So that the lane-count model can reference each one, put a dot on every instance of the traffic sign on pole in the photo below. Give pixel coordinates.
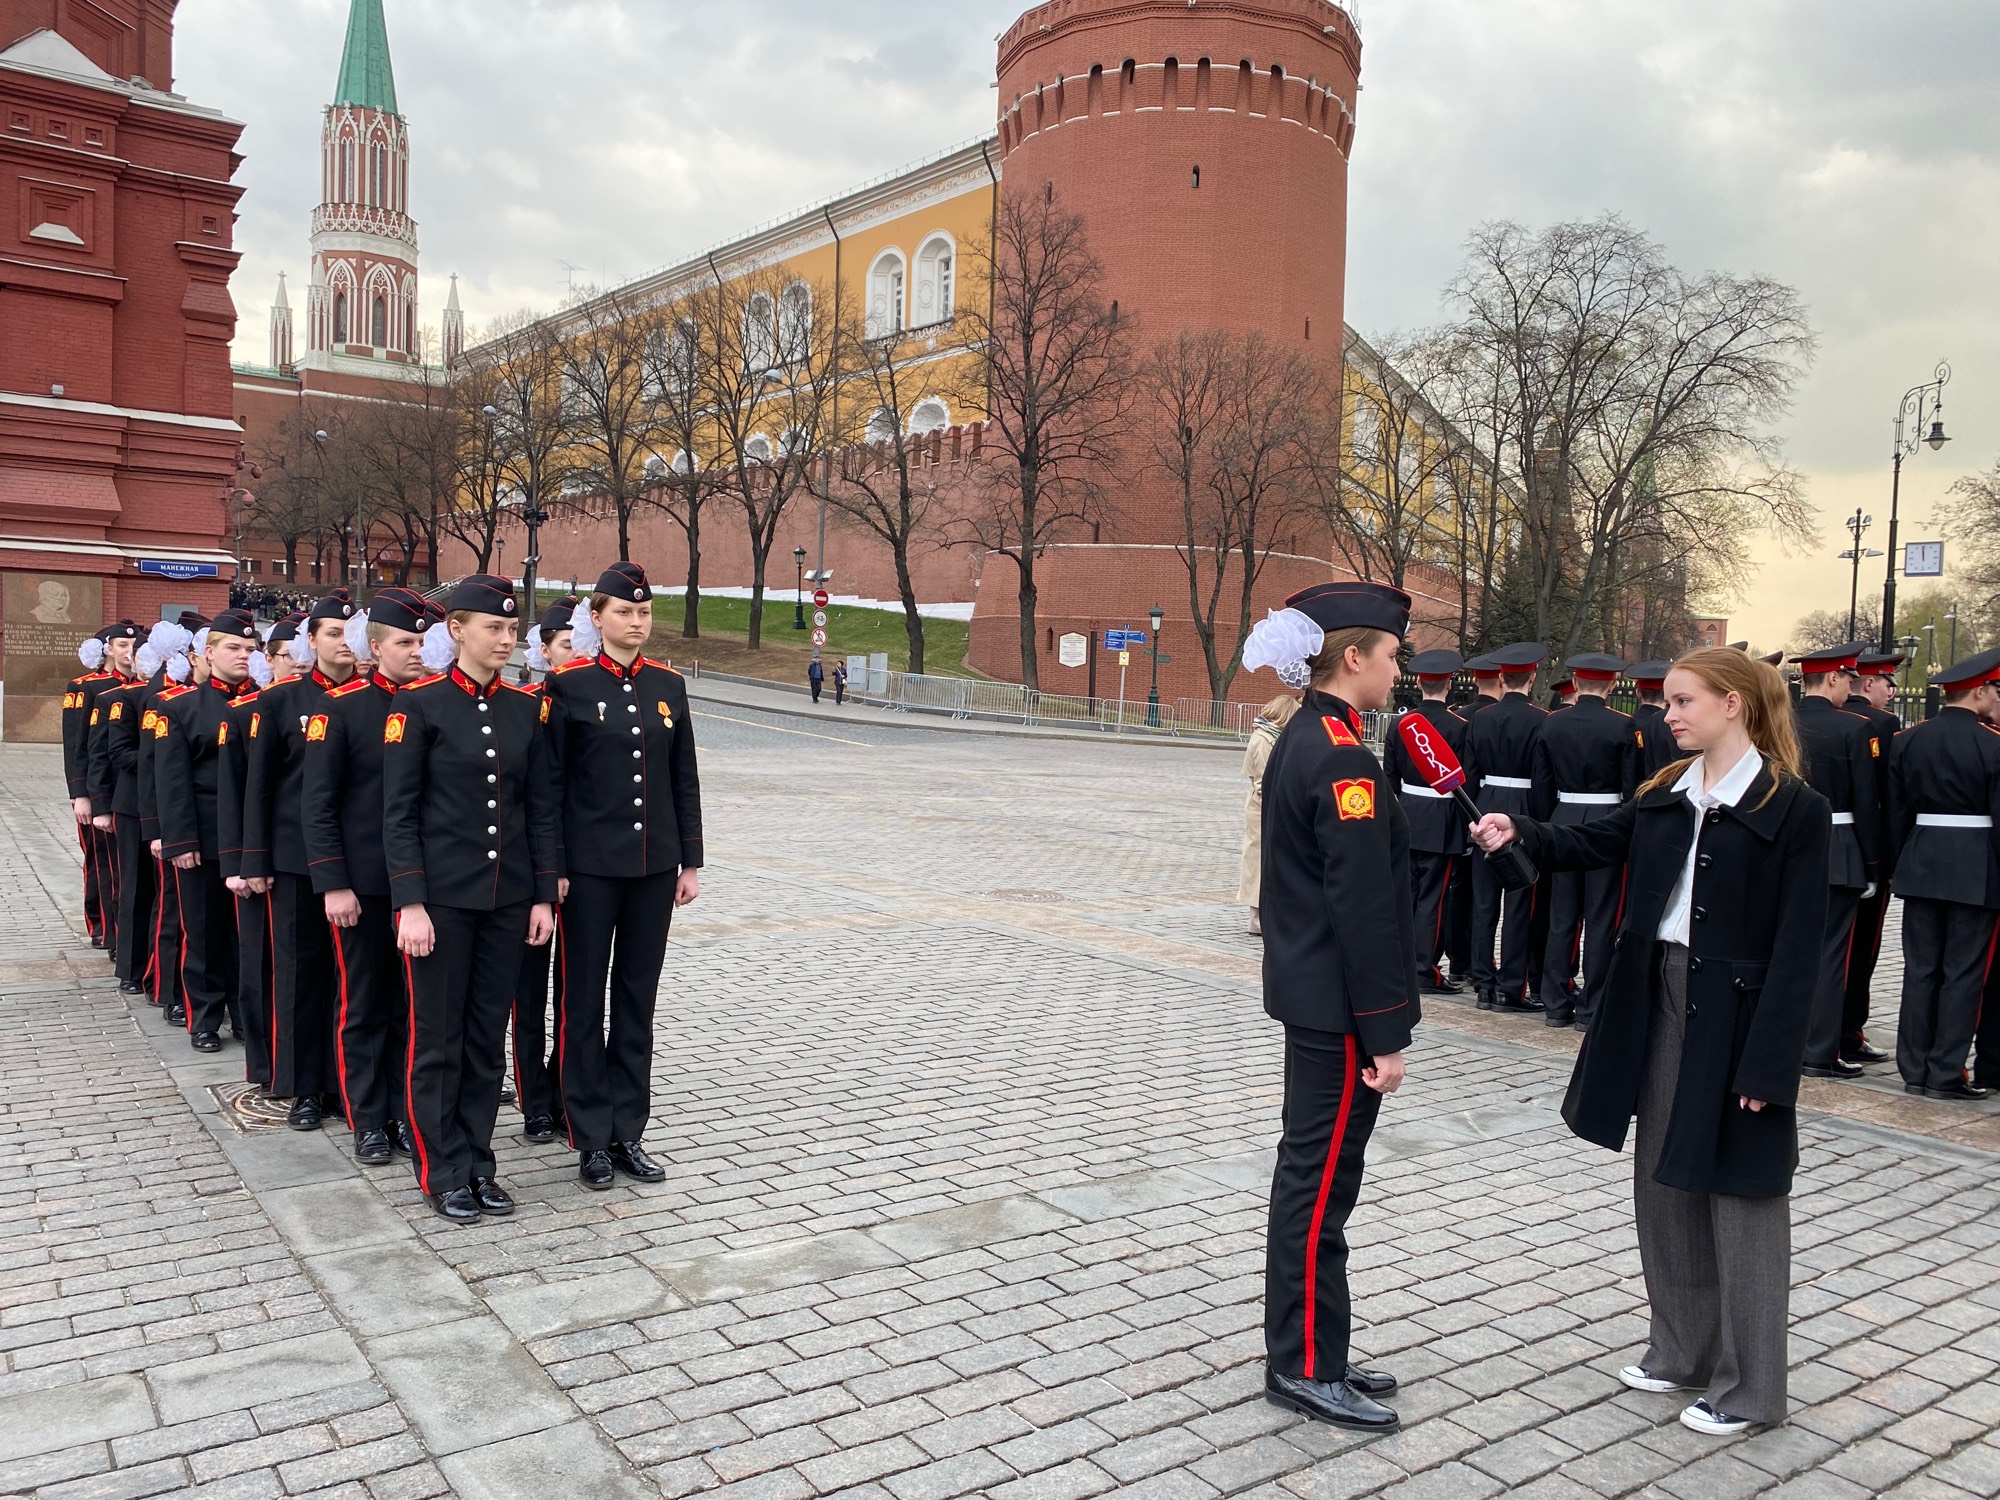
(819, 637)
(819, 619)
(820, 598)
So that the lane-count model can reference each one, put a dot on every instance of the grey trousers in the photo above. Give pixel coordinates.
(1717, 1268)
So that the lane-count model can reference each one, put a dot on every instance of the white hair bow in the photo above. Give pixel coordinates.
(90, 651)
(1284, 640)
(439, 648)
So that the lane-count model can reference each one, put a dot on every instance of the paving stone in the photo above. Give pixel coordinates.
(521, 1468)
(34, 1422)
(238, 1378)
(392, 1287)
(559, 1307)
(467, 1384)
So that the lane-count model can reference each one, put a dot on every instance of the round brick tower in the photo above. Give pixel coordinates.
(1205, 144)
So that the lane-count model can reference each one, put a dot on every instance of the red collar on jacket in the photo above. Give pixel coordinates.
(610, 664)
(471, 687)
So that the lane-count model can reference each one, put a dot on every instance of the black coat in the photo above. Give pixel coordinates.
(1842, 754)
(274, 837)
(1502, 741)
(79, 701)
(343, 791)
(1886, 726)
(1950, 764)
(1436, 824)
(1589, 750)
(189, 736)
(1339, 946)
(1654, 740)
(232, 775)
(622, 740)
(1759, 916)
(114, 749)
(144, 785)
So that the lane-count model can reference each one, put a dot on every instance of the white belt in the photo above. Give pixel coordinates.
(1843, 820)
(1953, 820)
(1518, 783)
(1410, 790)
(1591, 799)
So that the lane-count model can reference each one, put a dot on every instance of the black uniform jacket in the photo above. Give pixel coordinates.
(1503, 744)
(468, 804)
(232, 775)
(1339, 953)
(114, 758)
(275, 759)
(1886, 726)
(79, 699)
(1842, 754)
(1436, 824)
(1950, 765)
(144, 782)
(343, 792)
(1758, 918)
(1654, 740)
(188, 736)
(624, 751)
(1589, 749)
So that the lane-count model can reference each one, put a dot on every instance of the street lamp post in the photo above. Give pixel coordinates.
(1952, 616)
(1857, 524)
(533, 517)
(1153, 695)
(1918, 401)
(799, 603)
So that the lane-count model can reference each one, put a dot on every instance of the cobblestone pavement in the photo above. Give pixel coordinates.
(967, 1102)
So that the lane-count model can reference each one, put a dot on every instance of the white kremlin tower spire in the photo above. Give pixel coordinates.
(454, 326)
(281, 329)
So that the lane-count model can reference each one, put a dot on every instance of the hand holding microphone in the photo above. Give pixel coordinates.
(1494, 833)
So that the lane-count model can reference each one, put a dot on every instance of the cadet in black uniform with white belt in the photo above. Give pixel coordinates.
(1340, 971)
(1587, 756)
(1873, 692)
(1503, 747)
(1437, 830)
(631, 853)
(1944, 801)
(469, 834)
(1650, 734)
(1841, 759)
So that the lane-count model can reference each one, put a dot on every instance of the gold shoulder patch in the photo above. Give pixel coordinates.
(392, 729)
(316, 728)
(1338, 731)
(545, 710)
(1874, 749)
(152, 717)
(94, 713)
(222, 733)
(1354, 799)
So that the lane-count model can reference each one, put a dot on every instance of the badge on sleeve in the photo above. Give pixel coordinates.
(117, 712)
(545, 710)
(160, 727)
(1355, 799)
(93, 715)
(1874, 749)
(255, 720)
(1338, 731)
(222, 733)
(316, 728)
(392, 730)
(146, 724)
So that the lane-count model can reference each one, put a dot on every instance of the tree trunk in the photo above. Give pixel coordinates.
(624, 529)
(1031, 667)
(691, 609)
(758, 556)
(292, 562)
(913, 623)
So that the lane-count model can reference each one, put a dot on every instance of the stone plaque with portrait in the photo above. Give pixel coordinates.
(44, 617)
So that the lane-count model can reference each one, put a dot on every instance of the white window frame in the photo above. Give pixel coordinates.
(795, 323)
(923, 426)
(760, 333)
(888, 295)
(937, 282)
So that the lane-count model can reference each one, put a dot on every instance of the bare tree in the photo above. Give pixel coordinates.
(1057, 389)
(682, 469)
(517, 431)
(876, 479)
(293, 505)
(771, 379)
(613, 404)
(1637, 402)
(1231, 421)
(1971, 515)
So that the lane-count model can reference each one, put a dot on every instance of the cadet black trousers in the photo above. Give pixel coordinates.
(613, 929)
(373, 1041)
(1329, 1115)
(163, 981)
(1509, 913)
(537, 1040)
(460, 994)
(104, 861)
(136, 895)
(208, 948)
(1826, 1026)
(1868, 922)
(253, 984)
(1430, 879)
(1458, 917)
(1583, 920)
(1947, 953)
(304, 1018)
(93, 894)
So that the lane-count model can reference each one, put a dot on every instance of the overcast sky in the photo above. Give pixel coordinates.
(1849, 148)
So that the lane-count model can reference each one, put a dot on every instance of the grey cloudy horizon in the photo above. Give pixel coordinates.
(1810, 140)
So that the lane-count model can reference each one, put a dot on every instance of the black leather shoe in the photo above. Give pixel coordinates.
(593, 1169)
(1443, 987)
(630, 1158)
(1865, 1053)
(1560, 1019)
(1372, 1383)
(371, 1148)
(1838, 1068)
(1521, 1007)
(206, 1041)
(1957, 1089)
(492, 1197)
(304, 1113)
(129, 987)
(97, 942)
(1913, 1088)
(459, 1205)
(507, 1095)
(1331, 1401)
(1485, 1000)
(541, 1129)
(177, 1014)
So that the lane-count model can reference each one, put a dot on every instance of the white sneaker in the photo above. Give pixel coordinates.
(1636, 1377)
(1704, 1418)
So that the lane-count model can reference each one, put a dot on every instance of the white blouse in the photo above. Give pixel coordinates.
(1726, 792)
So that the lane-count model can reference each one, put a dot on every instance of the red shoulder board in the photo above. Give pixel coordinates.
(522, 688)
(425, 681)
(572, 665)
(180, 691)
(347, 689)
(1339, 731)
(664, 666)
(246, 698)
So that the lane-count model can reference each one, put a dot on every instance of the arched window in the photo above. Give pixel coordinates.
(792, 440)
(378, 175)
(758, 449)
(378, 325)
(931, 415)
(885, 295)
(347, 169)
(882, 426)
(795, 316)
(340, 317)
(760, 334)
(683, 462)
(936, 281)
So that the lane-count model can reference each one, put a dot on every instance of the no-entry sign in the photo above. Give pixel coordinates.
(820, 598)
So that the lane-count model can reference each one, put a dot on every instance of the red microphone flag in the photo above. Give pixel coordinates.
(1433, 758)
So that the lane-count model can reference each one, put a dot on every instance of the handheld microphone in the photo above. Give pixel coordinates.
(1438, 764)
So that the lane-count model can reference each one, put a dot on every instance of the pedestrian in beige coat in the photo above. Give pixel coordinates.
(1271, 718)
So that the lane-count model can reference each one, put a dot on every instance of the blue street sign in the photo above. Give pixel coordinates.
(1124, 640)
(174, 568)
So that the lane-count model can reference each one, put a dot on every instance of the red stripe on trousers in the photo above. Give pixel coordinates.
(410, 1073)
(340, 1034)
(1325, 1187)
(269, 959)
(187, 1000)
(562, 1021)
(153, 971)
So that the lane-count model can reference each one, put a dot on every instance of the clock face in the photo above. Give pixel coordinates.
(1924, 560)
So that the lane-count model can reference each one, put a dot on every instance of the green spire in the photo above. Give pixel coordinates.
(366, 79)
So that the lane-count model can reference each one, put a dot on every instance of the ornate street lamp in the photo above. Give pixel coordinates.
(1919, 402)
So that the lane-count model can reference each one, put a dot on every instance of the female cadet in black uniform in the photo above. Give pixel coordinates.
(1703, 1026)
(631, 853)
(469, 834)
(1340, 971)
(537, 1045)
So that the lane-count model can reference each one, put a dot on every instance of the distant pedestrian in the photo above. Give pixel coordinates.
(839, 683)
(1271, 718)
(816, 677)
